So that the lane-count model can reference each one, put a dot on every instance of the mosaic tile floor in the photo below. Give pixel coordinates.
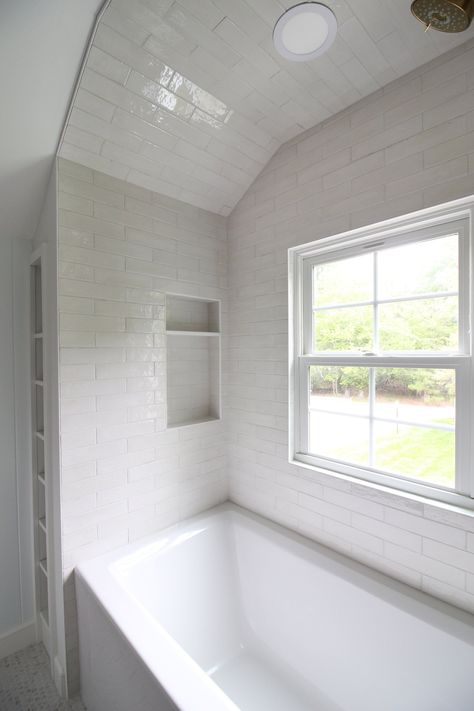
(26, 685)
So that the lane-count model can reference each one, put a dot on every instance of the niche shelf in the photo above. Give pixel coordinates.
(192, 316)
(193, 360)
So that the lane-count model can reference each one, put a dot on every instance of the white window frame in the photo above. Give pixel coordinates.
(424, 224)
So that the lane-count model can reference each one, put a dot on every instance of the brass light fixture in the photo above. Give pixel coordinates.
(444, 15)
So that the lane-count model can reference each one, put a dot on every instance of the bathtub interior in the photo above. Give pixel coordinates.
(280, 626)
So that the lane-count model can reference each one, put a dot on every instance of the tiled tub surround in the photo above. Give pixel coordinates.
(123, 474)
(404, 148)
(122, 247)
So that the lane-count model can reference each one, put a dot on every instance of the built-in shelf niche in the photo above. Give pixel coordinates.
(37, 299)
(192, 315)
(41, 493)
(38, 456)
(193, 360)
(38, 359)
(39, 407)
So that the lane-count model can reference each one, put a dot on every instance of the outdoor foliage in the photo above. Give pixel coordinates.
(414, 325)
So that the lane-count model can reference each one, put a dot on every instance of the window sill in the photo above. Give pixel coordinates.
(458, 504)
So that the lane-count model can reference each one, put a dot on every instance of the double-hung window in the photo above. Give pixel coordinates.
(380, 354)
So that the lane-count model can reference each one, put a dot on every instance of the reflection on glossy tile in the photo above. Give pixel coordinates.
(209, 121)
(128, 52)
(187, 89)
(159, 95)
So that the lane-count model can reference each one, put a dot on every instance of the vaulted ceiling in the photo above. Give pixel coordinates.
(190, 99)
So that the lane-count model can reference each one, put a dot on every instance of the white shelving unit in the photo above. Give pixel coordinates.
(41, 479)
(193, 360)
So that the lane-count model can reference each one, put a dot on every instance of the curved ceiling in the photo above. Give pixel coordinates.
(41, 47)
(190, 99)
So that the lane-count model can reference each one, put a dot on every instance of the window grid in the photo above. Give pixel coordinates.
(302, 261)
(394, 300)
(375, 303)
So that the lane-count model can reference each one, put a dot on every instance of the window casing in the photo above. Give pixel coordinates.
(448, 362)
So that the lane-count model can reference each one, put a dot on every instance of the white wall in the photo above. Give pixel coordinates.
(46, 236)
(16, 550)
(406, 147)
(123, 474)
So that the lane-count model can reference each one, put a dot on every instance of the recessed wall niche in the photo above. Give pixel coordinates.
(193, 360)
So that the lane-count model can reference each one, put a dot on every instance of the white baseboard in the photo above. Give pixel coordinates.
(60, 678)
(17, 639)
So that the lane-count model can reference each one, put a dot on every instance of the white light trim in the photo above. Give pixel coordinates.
(305, 32)
(401, 228)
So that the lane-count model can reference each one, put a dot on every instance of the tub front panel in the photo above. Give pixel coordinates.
(113, 677)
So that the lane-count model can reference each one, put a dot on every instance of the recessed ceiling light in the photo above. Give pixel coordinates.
(305, 31)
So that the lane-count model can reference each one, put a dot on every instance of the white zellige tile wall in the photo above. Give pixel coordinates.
(403, 148)
(123, 474)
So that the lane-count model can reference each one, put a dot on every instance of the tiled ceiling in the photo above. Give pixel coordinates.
(190, 99)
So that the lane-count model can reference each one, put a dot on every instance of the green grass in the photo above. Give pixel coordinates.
(415, 452)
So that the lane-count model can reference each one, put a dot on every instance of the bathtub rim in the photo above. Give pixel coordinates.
(163, 656)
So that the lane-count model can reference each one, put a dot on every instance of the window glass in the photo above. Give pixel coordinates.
(344, 329)
(420, 325)
(398, 420)
(418, 268)
(345, 281)
(339, 437)
(339, 389)
(417, 452)
(419, 395)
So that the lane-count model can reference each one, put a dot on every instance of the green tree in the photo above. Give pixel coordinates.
(416, 325)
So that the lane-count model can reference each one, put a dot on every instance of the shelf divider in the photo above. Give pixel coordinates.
(172, 332)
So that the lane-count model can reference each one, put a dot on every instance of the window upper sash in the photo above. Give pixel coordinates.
(323, 254)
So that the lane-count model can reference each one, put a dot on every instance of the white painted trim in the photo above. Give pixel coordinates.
(59, 676)
(426, 224)
(456, 209)
(18, 638)
(458, 504)
(21, 348)
(36, 254)
(51, 364)
(53, 634)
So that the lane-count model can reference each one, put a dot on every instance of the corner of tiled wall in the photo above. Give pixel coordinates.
(123, 473)
(406, 147)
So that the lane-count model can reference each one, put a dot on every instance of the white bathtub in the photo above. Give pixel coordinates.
(228, 611)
